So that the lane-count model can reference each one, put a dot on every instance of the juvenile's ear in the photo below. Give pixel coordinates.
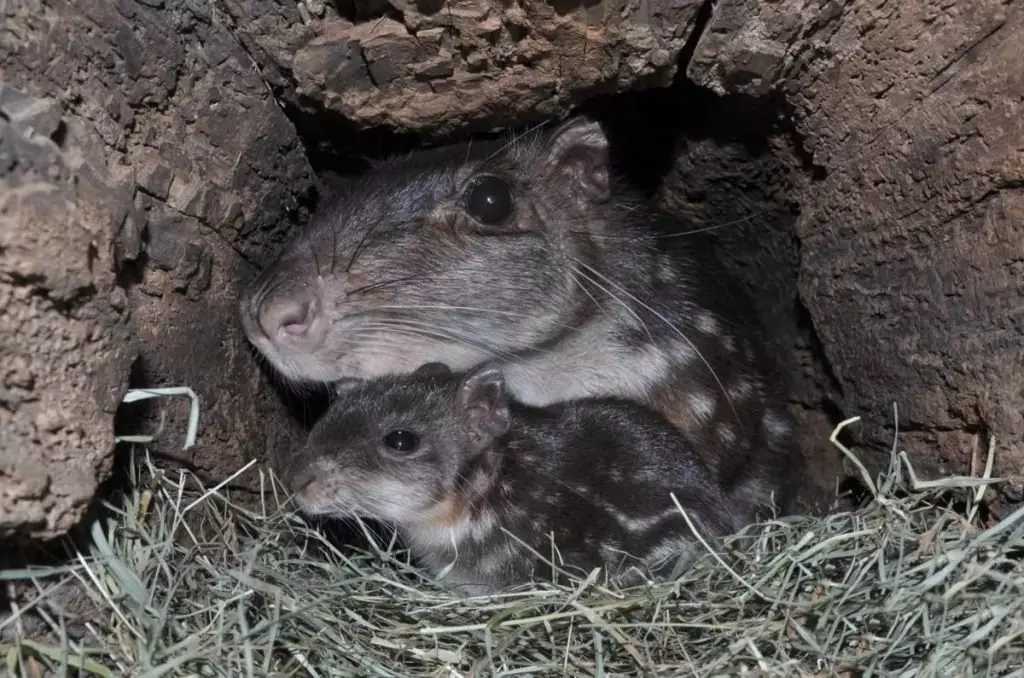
(483, 402)
(579, 148)
(434, 370)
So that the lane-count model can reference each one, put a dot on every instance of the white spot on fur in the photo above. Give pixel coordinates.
(481, 528)
(726, 434)
(774, 425)
(707, 323)
(580, 489)
(740, 389)
(683, 352)
(635, 525)
(702, 405)
(667, 270)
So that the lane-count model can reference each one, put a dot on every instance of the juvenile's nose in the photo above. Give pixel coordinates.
(290, 313)
(299, 477)
(300, 473)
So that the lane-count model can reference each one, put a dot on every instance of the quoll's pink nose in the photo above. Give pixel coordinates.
(290, 314)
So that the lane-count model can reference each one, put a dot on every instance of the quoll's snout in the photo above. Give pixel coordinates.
(288, 313)
(291, 314)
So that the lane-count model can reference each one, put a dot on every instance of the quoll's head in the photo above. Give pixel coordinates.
(457, 255)
(394, 448)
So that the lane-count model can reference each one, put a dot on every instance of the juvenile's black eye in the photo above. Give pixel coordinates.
(402, 441)
(489, 200)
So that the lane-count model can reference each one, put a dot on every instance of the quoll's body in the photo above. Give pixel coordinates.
(527, 253)
(451, 461)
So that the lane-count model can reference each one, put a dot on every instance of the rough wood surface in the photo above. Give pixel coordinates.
(210, 176)
(439, 66)
(912, 234)
(65, 342)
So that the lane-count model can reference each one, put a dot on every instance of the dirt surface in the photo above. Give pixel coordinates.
(911, 234)
(65, 338)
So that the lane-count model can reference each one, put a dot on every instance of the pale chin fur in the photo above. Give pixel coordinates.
(319, 508)
(390, 500)
(365, 362)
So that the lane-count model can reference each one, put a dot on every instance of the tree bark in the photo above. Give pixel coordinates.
(65, 337)
(193, 172)
(912, 220)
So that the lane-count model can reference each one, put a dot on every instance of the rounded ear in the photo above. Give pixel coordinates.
(434, 370)
(483, 402)
(579, 147)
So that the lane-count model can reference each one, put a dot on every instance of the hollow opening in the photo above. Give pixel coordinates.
(724, 164)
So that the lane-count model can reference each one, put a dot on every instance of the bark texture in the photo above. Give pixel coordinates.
(65, 340)
(202, 173)
(437, 66)
(912, 222)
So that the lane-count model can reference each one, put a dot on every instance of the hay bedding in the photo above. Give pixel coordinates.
(185, 582)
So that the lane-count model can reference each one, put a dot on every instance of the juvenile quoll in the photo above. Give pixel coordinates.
(528, 253)
(473, 480)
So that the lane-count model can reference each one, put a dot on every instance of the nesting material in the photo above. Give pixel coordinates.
(185, 582)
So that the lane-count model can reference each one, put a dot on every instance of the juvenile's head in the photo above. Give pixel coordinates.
(403, 449)
(454, 255)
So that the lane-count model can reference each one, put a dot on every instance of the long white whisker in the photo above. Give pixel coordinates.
(674, 329)
(443, 307)
(576, 279)
(680, 234)
(374, 334)
(516, 137)
(467, 309)
(452, 333)
(414, 331)
(615, 297)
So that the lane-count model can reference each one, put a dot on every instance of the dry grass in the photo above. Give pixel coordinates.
(185, 582)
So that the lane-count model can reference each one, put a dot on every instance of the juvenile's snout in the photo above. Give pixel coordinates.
(299, 474)
(304, 479)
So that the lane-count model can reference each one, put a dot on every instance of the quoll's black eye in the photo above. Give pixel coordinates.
(402, 441)
(489, 200)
